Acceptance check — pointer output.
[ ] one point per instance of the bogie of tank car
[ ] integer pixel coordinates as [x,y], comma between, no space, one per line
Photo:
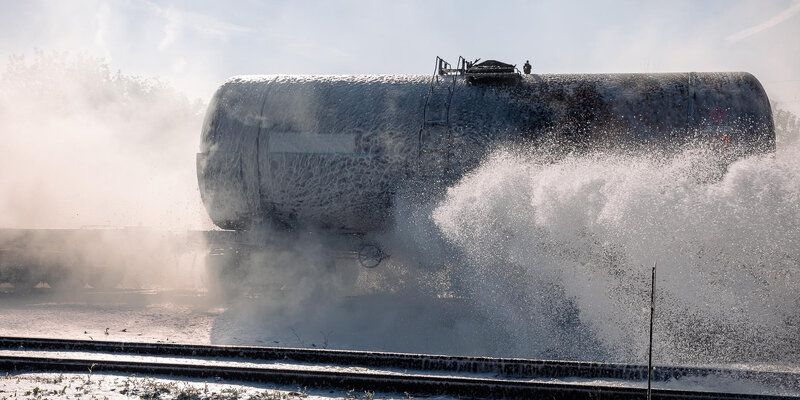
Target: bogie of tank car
[62,270]
[70,259]
[26,268]
[256,262]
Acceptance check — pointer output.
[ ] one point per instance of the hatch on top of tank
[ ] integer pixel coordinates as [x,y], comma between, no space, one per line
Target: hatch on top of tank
[491,70]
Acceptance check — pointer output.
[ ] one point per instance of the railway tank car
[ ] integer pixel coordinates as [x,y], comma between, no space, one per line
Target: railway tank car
[332,152]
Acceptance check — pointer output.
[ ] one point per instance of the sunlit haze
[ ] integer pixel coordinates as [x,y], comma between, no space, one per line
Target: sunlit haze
[198,44]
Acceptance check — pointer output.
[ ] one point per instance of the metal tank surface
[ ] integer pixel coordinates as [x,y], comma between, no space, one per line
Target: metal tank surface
[332,152]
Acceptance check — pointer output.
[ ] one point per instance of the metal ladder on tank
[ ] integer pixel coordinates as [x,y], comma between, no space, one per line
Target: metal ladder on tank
[435,136]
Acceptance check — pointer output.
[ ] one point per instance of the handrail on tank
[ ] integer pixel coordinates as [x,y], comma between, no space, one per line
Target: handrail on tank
[443,68]
[461,66]
[438,69]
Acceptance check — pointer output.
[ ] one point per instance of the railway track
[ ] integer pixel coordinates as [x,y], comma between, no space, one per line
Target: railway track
[479,377]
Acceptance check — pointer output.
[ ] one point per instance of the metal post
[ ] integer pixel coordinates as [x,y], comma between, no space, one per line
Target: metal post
[650,355]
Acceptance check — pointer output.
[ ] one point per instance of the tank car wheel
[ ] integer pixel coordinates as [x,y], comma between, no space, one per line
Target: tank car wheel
[344,271]
[66,275]
[65,279]
[105,278]
[224,279]
[370,255]
[23,280]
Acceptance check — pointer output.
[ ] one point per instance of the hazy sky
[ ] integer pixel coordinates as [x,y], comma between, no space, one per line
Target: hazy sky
[196,44]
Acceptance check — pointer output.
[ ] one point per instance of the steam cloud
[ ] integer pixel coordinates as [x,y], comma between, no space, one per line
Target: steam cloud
[555,248]
[85,147]
[555,254]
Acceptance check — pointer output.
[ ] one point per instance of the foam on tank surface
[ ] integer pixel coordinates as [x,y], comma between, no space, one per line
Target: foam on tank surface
[373,140]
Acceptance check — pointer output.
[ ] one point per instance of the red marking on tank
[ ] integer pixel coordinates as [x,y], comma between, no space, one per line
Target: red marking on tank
[718,115]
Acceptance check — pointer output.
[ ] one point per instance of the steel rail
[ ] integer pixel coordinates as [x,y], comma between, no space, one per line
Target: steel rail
[514,372]
[383,382]
[501,366]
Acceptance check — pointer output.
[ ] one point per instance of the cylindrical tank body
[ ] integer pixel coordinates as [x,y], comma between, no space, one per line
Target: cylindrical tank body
[333,151]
